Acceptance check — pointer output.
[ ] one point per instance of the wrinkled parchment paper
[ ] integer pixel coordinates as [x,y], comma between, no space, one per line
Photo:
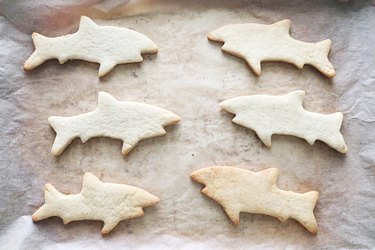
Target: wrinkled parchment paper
[189,76]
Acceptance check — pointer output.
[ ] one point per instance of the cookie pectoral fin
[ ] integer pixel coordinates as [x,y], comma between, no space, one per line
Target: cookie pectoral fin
[128,145]
[265,137]
[299,62]
[254,64]
[105,67]
[233,214]
[109,225]
[310,139]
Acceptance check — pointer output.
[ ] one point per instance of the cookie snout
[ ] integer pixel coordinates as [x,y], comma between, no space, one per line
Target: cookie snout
[202,176]
[215,36]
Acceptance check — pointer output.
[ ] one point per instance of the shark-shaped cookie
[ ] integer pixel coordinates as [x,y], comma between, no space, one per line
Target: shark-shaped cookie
[285,115]
[128,121]
[105,45]
[108,202]
[239,190]
[256,43]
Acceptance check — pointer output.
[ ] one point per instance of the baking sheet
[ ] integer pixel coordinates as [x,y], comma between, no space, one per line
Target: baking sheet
[189,76]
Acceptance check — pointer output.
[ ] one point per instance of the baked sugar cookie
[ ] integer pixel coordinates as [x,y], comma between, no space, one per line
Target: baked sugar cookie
[257,43]
[239,190]
[105,45]
[108,202]
[285,115]
[127,121]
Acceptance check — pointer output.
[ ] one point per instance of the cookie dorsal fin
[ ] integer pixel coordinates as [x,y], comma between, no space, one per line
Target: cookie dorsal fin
[90,182]
[271,174]
[105,99]
[283,25]
[296,97]
[85,23]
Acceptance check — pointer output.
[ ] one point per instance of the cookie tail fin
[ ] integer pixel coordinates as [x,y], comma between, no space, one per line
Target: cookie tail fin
[37,57]
[335,139]
[64,135]
[324,47]
[306,211]
[319,58]
[51,195]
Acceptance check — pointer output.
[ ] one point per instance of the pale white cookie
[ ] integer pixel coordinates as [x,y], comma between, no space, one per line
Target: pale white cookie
[108,202]
[105,45]
[127,121]
[257,43]
[285,115]
[239,190]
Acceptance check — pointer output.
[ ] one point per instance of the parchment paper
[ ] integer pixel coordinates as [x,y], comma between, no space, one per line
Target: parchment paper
[189,76]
